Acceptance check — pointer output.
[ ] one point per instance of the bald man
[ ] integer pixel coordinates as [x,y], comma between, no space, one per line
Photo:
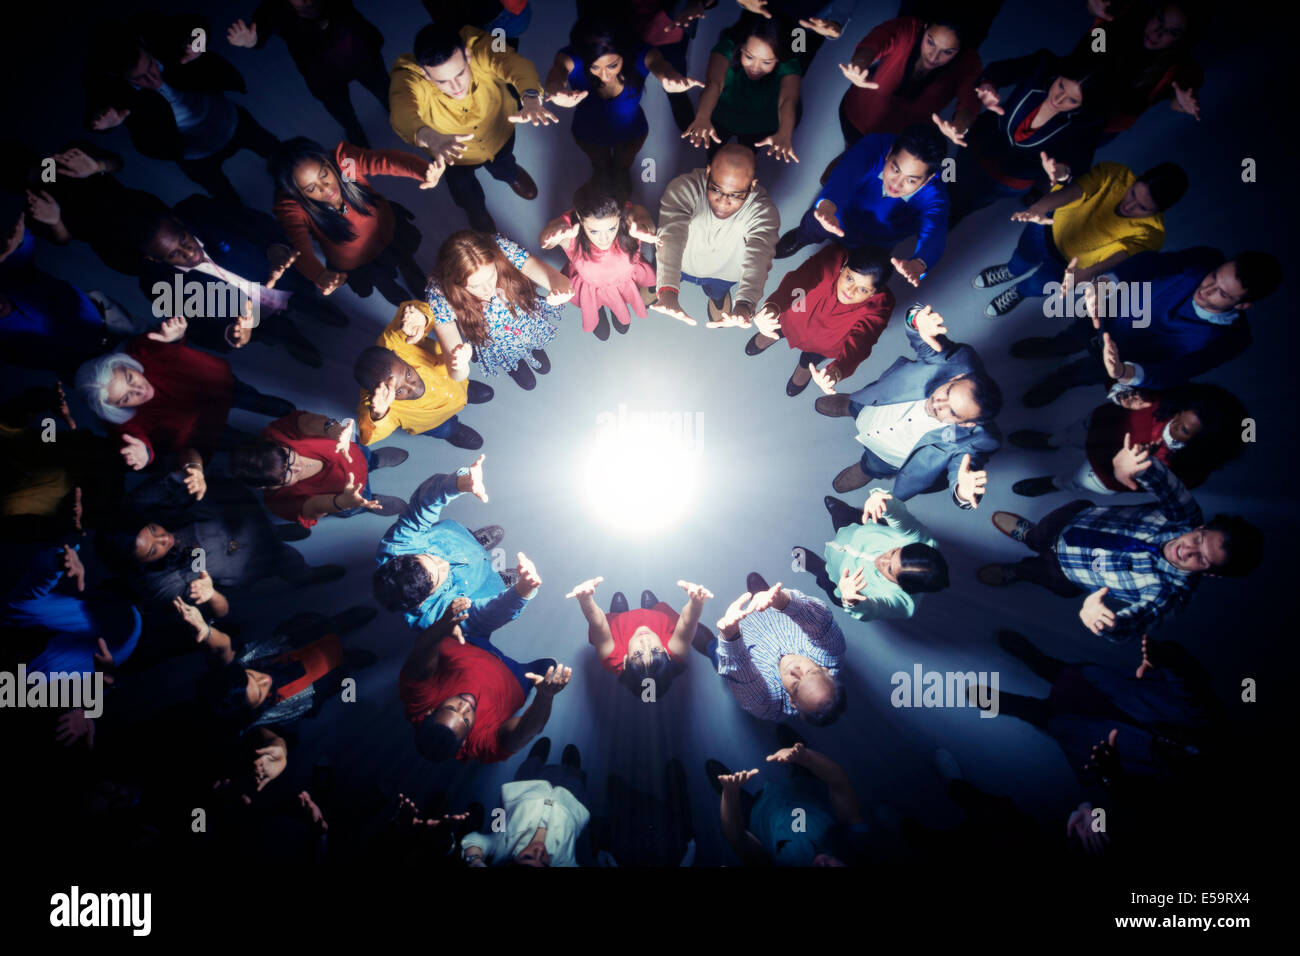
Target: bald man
[718,229]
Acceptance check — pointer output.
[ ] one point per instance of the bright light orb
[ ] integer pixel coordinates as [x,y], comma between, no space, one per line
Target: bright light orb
[641,471]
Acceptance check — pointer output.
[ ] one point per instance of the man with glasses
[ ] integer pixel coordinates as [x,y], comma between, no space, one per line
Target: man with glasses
[309,466]
[717,229]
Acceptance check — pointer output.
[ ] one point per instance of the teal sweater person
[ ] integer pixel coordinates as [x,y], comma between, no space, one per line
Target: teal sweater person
[881,560]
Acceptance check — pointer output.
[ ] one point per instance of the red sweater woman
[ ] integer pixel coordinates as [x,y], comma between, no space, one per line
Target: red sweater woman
[907,71]
[843,308]
[162,398]
[328,197]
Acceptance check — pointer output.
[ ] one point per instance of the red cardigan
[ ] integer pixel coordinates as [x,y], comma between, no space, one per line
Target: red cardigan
[373,232]
[880,111]
[192,395]
[845,333]
[1106,431]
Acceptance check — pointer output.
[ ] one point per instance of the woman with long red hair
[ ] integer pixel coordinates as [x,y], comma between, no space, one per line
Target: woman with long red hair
[484,297]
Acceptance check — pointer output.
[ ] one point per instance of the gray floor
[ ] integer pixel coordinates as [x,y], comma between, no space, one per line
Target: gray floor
[766,460]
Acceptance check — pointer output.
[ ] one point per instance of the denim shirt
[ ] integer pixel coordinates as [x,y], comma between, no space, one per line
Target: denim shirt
[420,531]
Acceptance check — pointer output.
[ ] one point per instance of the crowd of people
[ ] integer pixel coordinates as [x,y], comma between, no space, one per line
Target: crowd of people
[188,519]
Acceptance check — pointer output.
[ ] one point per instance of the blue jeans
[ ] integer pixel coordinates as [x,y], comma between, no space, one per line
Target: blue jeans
[1035,249]
[445,430]
[871,463]
[365,491]
[538,666]
[716,289]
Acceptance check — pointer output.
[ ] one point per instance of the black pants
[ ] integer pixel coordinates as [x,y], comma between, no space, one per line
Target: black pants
[680,103]
[841,517]
[398,259]
[207,172]
[1043,569]
[851,133]
[726,134]
[612,165]
[332,90]
[467,192]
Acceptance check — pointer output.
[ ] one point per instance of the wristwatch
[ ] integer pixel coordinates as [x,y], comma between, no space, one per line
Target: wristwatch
[527,93]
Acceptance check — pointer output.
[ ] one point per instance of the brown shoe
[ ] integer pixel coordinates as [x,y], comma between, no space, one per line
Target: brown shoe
[850,479]
[833,406]
[523,185]
[715,313]
[1012,525]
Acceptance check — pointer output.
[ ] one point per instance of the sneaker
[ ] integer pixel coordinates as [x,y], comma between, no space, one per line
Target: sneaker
[601,331]
[788,245]
[648,599]
[850,479]
[1034,487]
[833,406]
[618,603]
[543,360]
[1012,525]
[479,393]
[1031,439]
[387,457]
[466,437]
[388,505]
[489,536]
[993,275]
[510,577]
[1003,303]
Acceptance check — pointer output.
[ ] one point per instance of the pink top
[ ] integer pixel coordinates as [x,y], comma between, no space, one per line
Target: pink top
[610,278]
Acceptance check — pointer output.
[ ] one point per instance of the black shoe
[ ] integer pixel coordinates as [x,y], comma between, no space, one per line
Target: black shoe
[489,536]
[648,599]
[523,376]
[1034,487]
[702,639]
[570,757]
[1041,346]
[789,244]
[787,736]
[1031,439]
[324,574]
[325,313]
[387,458]
[482,222]
[618,603]
[479,393]
[465,437]
[543,360]
[389,505]
[1044,393]
[290,532]
[619,327]
[305,353]
[841,510]
[751,347]
[601,331]
[542,748]
[541,666]
[510,577]
[754,582]
[794,390]
[713,769]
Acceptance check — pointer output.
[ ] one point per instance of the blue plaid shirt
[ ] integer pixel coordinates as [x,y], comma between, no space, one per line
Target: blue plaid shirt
[1148,585]
[749,664]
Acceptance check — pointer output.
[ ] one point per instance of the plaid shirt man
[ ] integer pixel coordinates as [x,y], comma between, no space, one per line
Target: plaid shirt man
[749,664]
[1149,585]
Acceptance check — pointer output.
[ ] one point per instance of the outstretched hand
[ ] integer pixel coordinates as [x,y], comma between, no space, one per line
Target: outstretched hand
[473,482]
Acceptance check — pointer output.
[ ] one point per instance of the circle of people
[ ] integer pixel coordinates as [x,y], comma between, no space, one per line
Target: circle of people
[1025,127]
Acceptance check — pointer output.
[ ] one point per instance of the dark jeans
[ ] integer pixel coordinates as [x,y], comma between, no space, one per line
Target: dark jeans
[851,133]
[1043,569]
[243,395]
[445,430]
[463,184]
[538,666]
[612,165]
[1036,253]
[973,189]
[715,289]
[207,172]
[331,89]
[398,259]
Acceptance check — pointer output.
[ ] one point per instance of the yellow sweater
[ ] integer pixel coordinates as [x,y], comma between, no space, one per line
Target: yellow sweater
[1091,229]
[442,396]
[415,102]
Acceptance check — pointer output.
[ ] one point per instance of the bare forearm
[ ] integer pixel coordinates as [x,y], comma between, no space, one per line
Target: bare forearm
[217,605]
[531,722]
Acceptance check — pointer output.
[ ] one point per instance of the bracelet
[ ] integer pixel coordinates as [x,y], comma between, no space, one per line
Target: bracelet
[330,423]
[335,502]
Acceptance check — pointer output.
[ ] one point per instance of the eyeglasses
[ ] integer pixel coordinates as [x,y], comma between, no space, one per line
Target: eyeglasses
[730,197]
[288,472]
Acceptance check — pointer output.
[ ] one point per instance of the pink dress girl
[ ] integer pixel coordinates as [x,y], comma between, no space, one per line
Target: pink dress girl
[611,279]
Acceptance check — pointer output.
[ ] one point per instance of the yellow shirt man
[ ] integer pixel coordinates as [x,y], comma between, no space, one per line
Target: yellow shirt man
[416,102]
[1091,229]
[442,396]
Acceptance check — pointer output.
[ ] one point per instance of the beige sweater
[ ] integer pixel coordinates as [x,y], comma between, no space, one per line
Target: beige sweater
[695,241]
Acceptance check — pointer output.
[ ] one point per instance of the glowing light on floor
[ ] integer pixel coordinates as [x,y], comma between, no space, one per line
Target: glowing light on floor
[641,471]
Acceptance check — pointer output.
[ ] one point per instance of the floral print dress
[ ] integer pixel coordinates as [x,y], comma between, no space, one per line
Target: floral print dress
[510,337]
